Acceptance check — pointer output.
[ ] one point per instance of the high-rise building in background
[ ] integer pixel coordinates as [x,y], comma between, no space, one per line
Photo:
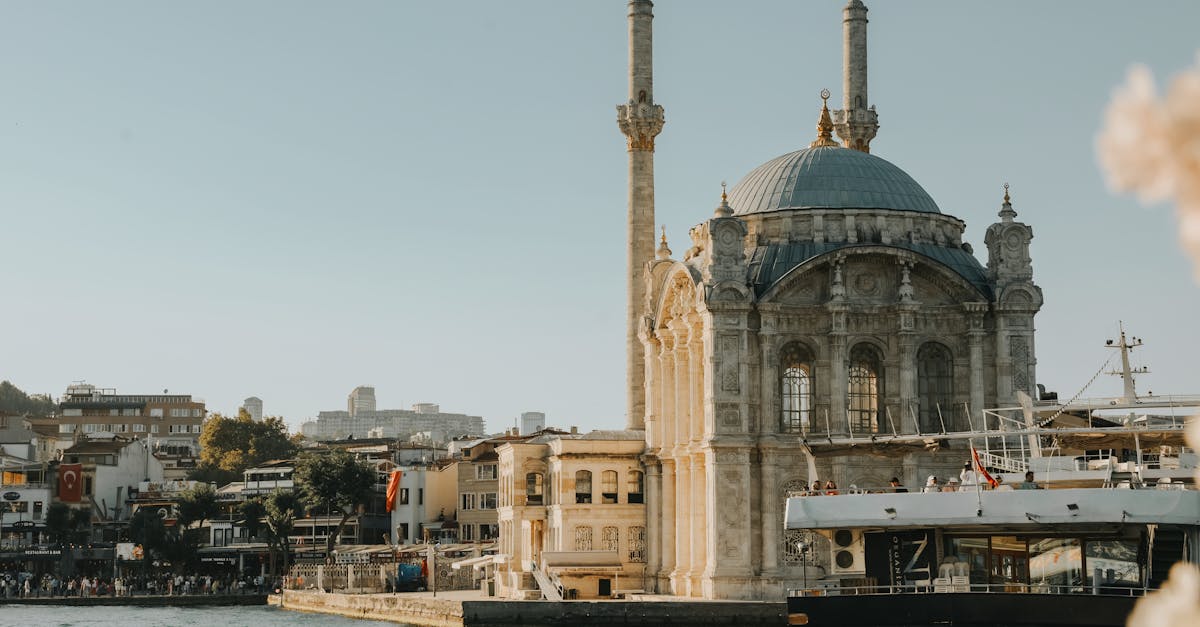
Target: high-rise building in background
[361,399]
[254,407]
[532,422]
[362,420]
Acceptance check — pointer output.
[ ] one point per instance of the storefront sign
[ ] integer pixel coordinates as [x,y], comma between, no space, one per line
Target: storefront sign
[43,551]
[12,496]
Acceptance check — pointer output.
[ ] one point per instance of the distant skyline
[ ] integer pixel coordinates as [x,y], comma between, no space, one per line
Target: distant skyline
[233,200]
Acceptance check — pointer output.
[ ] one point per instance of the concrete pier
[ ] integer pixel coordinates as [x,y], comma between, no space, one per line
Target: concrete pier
[470,609]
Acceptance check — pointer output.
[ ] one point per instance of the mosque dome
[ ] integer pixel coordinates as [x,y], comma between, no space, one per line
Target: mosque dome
[828,177]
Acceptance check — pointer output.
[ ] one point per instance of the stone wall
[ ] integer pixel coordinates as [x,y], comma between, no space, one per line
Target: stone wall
[421,610]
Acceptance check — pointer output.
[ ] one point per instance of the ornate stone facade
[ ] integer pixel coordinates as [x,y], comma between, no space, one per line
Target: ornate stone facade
[828,296]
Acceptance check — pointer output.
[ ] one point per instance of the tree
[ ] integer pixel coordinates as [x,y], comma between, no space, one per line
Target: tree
[228,446]
[14,400]
[251,512]
[146,528]
[58,521]
[282,507]
[335,480]
[197,504]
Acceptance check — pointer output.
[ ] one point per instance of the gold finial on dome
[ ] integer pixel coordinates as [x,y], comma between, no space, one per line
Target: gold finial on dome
[1006,198]
[663,251]
[723,209]
[824,124]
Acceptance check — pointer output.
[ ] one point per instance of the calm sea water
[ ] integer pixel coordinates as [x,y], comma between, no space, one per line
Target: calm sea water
[62,616]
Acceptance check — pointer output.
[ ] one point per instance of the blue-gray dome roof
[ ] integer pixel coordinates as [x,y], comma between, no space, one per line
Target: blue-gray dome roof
[828,177]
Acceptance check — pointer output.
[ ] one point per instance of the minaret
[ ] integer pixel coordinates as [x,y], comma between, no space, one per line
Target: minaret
[641,121]
[856,122]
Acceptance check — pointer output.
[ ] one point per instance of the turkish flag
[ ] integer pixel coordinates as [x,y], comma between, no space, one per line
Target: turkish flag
[393,488]
[70,483]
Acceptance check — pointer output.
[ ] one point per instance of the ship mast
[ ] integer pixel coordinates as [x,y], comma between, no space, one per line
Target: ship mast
[1127,372]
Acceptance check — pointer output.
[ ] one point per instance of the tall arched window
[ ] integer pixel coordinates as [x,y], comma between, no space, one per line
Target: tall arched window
[935,387]
[636,486]
[583,486]
[533,488]
[796,389]
[865,380]
[608,486]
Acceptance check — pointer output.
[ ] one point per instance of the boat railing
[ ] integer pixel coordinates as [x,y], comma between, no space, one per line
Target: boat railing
[938,586]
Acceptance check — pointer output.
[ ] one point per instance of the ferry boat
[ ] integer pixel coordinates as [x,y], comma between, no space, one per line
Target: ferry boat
[1111,506]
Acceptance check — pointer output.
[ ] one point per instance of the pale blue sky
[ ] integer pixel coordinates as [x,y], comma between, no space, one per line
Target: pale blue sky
[289,199]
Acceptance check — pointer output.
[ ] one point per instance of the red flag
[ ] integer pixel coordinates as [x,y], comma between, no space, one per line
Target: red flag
[393,488]
[991,481]
[70,483]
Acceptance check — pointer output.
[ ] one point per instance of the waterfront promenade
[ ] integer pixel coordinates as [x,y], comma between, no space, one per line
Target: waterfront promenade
[144,600]
[470,608]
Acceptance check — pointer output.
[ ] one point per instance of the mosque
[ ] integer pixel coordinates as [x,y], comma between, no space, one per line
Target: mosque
[827,306]
[827,296]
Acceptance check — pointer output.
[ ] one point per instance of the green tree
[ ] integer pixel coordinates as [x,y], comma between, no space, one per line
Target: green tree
[228,446]
[14,400]
[146,528]
[282,507]
[197,504]
[335,480]
[251,513]
[58,522]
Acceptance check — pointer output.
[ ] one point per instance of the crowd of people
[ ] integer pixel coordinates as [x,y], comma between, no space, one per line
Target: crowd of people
[18,584]
[967,481]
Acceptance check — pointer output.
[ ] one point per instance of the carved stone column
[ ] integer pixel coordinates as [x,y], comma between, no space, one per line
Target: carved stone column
[772,517]
[769,367]
[700,516]
[696,376]
[654,521]
[666,390]
[653,391]
[669,523]
[683,379]
[683,527]
[975,336]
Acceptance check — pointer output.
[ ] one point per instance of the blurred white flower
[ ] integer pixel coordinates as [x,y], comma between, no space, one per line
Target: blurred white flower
[1152,147]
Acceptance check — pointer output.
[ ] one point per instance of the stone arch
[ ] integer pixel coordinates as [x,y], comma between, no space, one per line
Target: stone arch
[679,295]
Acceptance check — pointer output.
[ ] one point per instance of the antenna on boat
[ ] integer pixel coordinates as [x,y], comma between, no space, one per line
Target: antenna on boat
[1127,372]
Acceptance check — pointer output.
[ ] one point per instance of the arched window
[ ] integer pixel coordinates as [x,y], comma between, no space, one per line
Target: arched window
[608,487]
[583,486]
[636,485]
[796,389]
[935,387]
[864,400]
[533,488]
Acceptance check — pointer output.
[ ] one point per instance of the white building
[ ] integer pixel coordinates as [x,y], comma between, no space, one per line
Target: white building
[112,468]
[425,501]
[572,516]
[254,407]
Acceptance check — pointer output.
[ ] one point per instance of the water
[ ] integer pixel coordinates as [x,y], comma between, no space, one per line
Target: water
[109,616]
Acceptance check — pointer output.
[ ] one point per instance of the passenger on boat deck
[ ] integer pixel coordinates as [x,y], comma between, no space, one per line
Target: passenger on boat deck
[952,485]
[968,478]
[931,485]
[1001,486]
[1029,483]
[896,487]
[831,488]
[816,489]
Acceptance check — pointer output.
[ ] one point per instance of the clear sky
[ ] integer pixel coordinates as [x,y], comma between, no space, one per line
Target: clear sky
[289,199]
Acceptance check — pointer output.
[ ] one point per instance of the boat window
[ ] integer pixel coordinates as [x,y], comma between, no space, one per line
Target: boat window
[1112,563]
[1055,565]
[1008,564]
[965,556]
